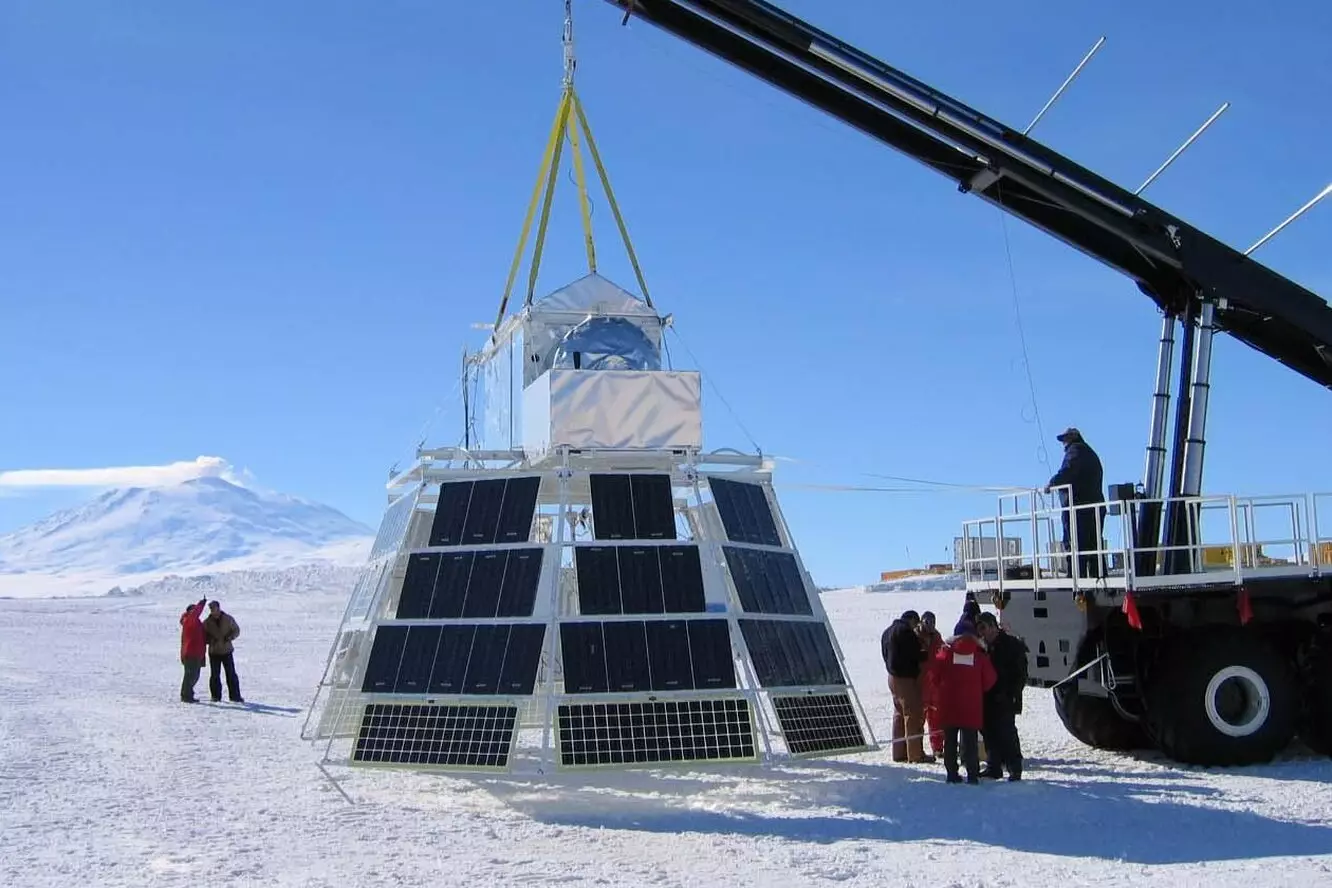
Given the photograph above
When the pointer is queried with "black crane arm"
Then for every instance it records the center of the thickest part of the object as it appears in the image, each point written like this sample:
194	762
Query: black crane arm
1171	261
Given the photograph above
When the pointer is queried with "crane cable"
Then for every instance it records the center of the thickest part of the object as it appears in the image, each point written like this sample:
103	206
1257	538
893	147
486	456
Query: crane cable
1042	455
570	118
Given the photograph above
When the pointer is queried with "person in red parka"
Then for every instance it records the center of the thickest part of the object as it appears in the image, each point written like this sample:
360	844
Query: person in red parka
193	648
931	641
963	673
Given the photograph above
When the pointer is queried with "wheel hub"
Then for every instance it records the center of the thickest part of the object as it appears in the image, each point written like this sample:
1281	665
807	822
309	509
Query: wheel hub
1237	701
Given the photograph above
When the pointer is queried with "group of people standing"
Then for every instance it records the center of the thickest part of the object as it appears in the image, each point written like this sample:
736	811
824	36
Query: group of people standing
954	691
216	636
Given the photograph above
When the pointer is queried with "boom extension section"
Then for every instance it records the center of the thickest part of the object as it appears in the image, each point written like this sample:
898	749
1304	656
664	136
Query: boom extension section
1171	261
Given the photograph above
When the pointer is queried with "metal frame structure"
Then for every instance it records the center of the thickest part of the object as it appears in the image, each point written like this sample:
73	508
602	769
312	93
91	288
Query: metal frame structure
339	706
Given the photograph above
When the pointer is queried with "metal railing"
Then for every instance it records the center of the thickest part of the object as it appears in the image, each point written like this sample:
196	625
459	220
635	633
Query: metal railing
1033	539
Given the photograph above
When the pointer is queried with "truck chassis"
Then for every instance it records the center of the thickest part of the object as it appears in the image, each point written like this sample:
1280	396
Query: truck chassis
1223	664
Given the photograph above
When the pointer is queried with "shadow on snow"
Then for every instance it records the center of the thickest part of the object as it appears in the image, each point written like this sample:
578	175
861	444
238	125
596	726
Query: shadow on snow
1139	818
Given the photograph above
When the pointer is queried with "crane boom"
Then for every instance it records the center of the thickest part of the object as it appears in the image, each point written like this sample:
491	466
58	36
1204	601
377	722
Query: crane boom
1171	261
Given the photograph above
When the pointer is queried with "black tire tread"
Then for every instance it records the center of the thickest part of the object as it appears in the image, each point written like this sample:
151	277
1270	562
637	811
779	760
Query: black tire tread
1095	722
1316	729
1175	713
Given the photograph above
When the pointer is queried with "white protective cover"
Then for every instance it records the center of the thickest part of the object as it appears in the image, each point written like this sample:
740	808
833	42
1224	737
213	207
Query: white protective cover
613	410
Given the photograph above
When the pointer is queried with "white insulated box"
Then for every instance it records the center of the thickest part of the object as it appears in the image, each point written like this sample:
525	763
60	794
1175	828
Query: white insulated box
613	410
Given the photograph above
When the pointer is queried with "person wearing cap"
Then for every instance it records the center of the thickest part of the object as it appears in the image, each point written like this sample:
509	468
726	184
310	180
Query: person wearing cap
964	675
903	656
1003	701
1081	471
193	644
222	630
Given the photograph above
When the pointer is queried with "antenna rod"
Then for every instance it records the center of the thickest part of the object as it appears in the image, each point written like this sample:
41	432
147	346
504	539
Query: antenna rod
1064	86
1293	216
1180	150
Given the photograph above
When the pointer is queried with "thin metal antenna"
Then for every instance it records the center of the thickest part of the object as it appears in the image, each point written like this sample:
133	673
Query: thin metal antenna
1064	86
1180	150
1293	216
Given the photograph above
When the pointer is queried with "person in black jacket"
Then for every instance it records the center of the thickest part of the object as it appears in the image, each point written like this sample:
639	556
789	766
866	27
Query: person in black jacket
903	655
1003	702
1081	470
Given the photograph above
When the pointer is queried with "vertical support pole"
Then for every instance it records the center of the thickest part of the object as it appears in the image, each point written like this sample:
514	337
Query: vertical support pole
1174	528
1191	480
1191	484
1148	531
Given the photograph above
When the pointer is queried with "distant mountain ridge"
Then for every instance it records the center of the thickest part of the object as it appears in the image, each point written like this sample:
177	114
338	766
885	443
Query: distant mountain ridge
133	535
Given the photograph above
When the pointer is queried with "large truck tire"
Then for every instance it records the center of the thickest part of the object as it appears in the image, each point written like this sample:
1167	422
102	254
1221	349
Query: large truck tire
1222	696
1316	730
1096	722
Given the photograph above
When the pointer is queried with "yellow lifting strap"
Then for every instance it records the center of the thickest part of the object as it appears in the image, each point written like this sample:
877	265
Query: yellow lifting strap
569	120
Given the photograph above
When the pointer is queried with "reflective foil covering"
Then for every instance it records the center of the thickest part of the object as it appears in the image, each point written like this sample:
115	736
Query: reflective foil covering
607	327
606	344
585	309
613	410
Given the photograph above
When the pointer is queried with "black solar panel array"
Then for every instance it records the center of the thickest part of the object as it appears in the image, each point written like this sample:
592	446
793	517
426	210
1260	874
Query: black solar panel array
454	736
791	653
454	654
632	506
767	582
457	658
818	723
484	512
646	655
471	585
665	579
744	511
595	734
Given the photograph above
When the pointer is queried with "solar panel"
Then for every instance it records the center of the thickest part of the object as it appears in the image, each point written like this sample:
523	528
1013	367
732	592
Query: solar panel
626	648
767	582
583	652
491	583
597	734
787	653
818	723
489	659
635	506
455	736
517	509
657	655
744	511
483	511
639	580
449	673
681	579
418	658
455	571
654	507
418	586
491	510
522	573
450	513
381	669
612	507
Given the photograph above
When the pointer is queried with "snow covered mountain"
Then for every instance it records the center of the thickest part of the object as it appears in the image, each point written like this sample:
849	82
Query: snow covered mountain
205	525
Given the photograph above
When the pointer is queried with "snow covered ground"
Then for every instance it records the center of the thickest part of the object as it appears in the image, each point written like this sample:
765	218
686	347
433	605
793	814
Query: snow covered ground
106	780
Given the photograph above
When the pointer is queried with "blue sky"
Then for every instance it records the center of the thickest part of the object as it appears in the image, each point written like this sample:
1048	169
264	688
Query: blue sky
261	231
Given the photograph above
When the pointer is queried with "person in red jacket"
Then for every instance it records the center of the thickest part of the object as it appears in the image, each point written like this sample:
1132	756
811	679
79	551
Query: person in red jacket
193	647
931	641
963	674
